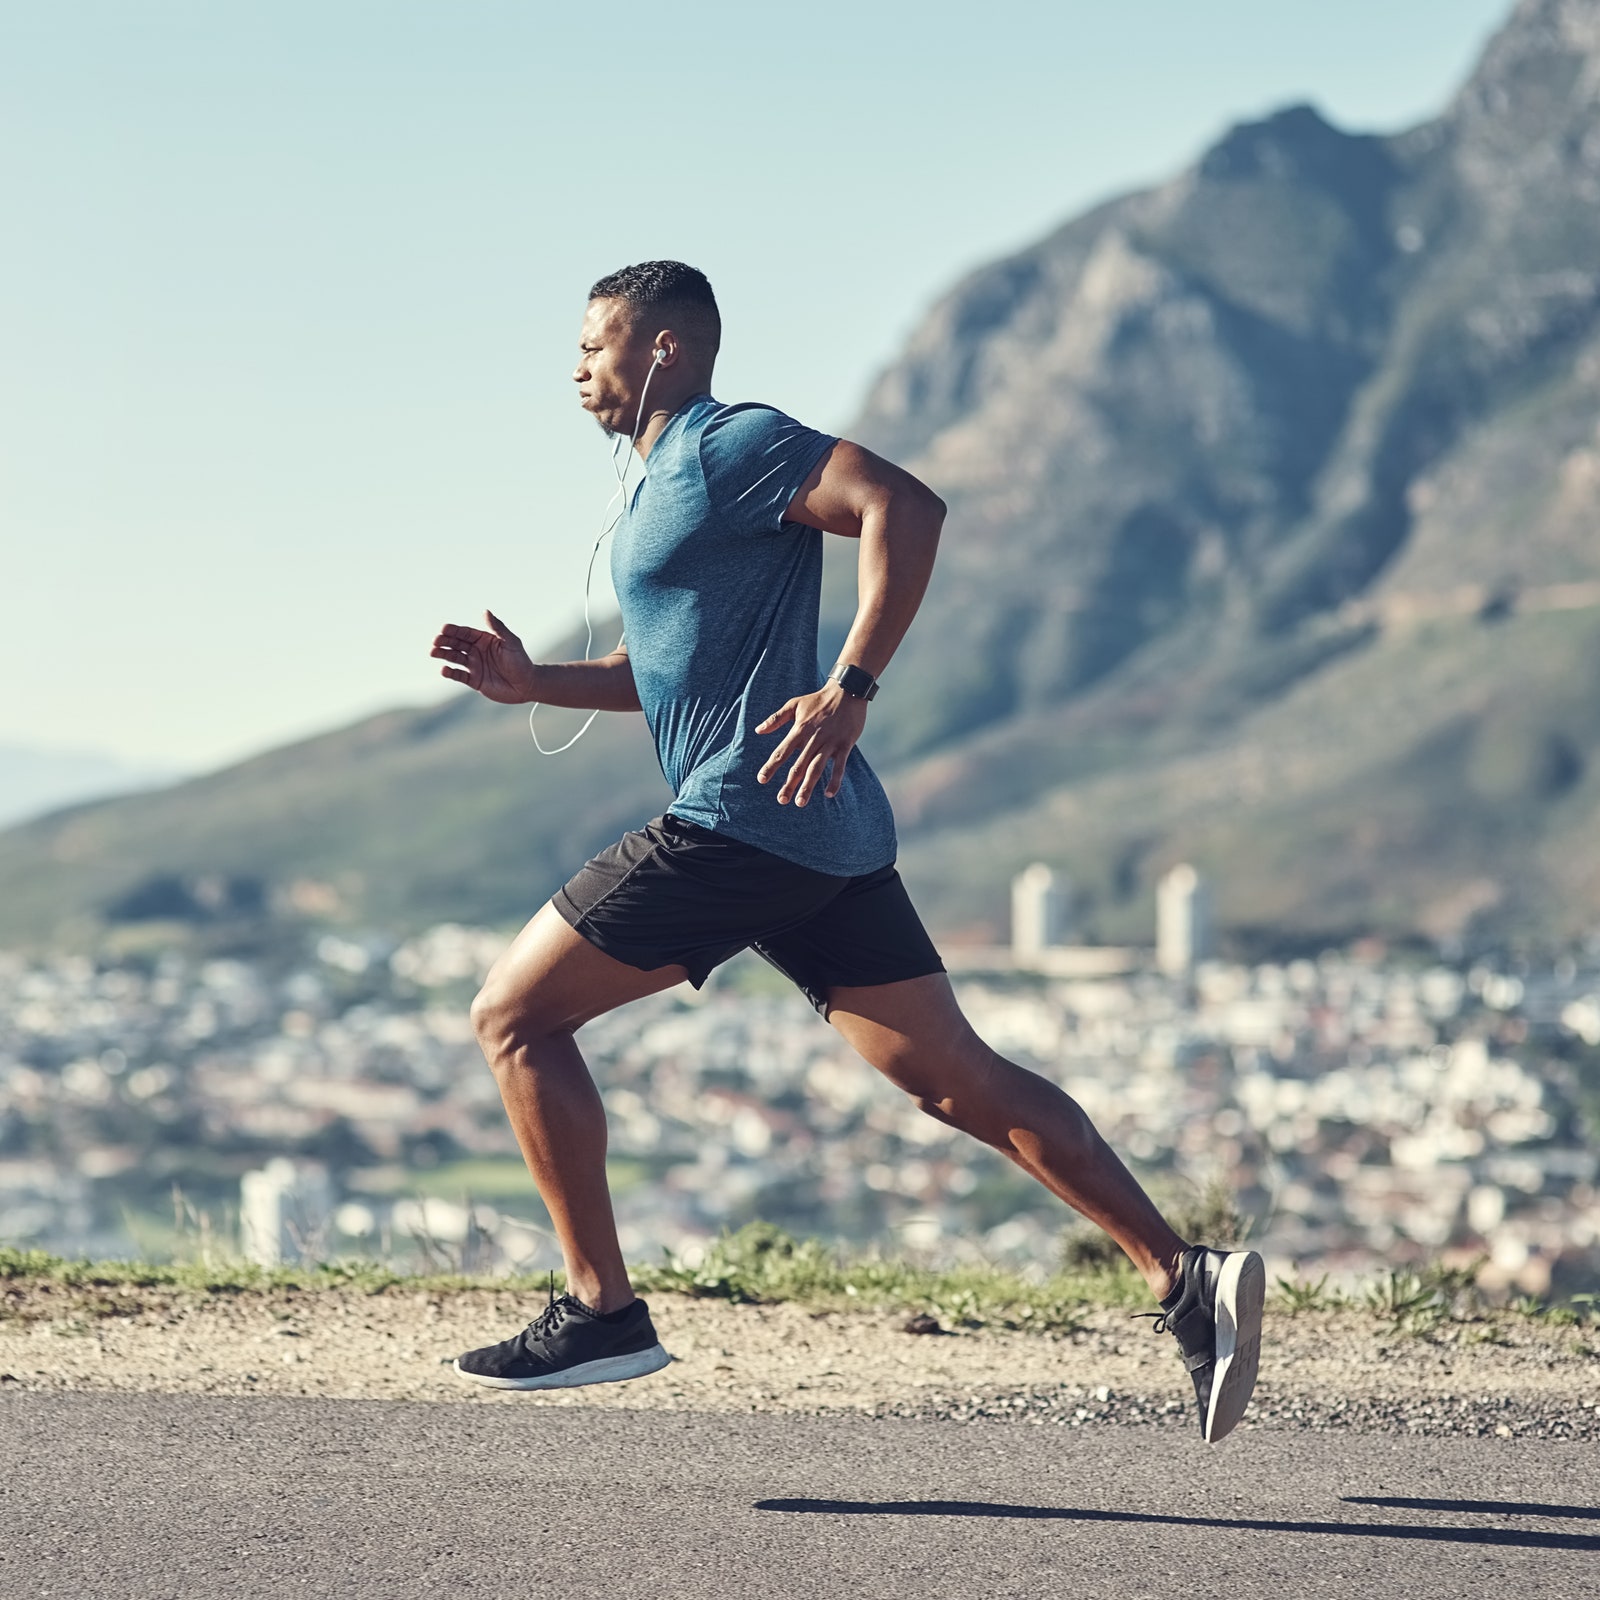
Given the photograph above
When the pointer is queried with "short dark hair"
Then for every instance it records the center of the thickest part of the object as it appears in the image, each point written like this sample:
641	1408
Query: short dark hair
671	288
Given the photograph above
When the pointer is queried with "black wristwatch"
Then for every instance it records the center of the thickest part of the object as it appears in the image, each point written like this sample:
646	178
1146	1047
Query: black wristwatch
856	682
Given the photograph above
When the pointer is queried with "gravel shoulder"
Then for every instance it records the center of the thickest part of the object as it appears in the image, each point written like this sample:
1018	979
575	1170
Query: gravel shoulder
1327	1369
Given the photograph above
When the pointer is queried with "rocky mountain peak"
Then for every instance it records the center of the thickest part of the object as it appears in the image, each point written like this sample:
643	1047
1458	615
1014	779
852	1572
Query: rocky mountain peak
1531	110
1296	143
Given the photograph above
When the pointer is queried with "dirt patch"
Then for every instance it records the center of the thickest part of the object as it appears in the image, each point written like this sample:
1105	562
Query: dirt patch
1318	1370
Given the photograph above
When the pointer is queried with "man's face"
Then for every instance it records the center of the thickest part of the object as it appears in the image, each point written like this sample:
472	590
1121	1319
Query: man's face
613	361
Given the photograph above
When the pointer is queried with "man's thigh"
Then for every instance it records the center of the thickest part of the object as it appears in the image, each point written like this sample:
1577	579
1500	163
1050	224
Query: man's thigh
553	978
913	1031
866	937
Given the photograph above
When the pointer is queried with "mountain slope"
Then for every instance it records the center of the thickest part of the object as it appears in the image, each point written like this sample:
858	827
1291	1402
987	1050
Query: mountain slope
1273	544
1174	540
406	818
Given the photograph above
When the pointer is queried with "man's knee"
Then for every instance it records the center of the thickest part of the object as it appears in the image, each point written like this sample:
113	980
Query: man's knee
988	1097
955	1090
506	1019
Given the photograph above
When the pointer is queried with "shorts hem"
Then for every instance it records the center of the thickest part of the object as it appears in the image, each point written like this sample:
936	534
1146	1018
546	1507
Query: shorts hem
817	993
699	970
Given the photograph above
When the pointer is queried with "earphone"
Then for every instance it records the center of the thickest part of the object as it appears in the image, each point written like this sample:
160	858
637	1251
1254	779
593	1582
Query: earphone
619	494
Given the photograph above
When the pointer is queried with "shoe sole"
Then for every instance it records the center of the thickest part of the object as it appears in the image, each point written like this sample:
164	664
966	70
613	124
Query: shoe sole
1241	1292
609	1369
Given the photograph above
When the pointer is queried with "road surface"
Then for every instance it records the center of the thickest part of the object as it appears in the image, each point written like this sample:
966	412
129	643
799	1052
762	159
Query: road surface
147	1495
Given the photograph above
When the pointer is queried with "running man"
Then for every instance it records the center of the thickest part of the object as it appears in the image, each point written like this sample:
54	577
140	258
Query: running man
779	838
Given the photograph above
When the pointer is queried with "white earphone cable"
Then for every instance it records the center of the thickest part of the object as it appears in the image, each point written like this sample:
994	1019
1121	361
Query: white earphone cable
620	493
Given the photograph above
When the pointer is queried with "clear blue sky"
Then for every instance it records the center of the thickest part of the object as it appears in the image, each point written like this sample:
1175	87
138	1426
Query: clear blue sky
290	290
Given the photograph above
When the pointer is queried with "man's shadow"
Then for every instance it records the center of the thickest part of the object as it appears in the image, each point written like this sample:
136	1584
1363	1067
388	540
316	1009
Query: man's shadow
1525	1538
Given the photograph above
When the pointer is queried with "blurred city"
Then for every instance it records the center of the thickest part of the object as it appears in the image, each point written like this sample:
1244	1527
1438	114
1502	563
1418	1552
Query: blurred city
1364	1111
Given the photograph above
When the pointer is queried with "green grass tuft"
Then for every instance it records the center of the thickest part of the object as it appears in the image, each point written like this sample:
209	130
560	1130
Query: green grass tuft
216	1276
760	1263
1301	1294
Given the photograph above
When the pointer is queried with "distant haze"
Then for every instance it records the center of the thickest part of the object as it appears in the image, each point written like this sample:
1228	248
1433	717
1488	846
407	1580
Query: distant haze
34	780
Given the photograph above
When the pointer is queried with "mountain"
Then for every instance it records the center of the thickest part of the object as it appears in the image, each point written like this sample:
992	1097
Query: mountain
1273	535
407	818
1273	544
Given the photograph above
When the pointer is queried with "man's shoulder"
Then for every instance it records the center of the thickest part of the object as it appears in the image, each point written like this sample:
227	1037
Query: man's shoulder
738	420
752	458
748	430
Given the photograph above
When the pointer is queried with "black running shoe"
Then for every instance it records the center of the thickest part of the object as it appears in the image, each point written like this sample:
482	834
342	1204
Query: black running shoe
1215	1315
568	1345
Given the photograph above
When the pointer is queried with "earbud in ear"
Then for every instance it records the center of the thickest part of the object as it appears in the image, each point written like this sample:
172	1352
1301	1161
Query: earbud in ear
661	355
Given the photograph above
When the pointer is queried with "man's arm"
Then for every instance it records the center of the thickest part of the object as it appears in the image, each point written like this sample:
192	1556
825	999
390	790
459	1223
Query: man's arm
495	663
897	518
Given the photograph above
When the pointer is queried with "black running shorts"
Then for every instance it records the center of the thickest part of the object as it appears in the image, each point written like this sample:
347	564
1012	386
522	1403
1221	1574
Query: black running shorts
676	894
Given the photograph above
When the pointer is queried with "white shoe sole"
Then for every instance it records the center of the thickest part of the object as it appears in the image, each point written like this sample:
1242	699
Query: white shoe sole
611	1369
1241	1291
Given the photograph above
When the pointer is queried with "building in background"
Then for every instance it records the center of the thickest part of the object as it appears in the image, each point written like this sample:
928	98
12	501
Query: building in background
1183	922
284	1213
1041	904
1041	921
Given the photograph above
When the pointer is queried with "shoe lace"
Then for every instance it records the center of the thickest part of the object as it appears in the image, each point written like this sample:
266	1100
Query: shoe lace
551	1318
1158	1318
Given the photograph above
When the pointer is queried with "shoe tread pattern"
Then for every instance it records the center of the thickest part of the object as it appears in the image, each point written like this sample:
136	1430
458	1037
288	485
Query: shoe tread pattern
1241	1293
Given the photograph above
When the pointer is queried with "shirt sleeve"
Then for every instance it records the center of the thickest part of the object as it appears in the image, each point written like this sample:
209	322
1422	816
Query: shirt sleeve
754	460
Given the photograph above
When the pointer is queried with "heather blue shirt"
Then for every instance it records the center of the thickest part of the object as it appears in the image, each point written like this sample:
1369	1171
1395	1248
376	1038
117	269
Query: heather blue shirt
719	603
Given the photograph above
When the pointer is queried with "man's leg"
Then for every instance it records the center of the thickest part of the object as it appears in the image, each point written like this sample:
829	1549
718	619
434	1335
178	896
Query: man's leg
915	1034
537	995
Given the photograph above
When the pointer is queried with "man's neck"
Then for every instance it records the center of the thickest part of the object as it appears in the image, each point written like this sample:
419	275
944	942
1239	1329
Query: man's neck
662	411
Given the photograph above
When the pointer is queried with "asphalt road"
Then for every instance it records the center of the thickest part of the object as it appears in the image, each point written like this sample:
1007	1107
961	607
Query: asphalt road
149	1495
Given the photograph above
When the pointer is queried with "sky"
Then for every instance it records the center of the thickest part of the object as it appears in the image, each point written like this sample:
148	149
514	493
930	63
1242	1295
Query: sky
290	294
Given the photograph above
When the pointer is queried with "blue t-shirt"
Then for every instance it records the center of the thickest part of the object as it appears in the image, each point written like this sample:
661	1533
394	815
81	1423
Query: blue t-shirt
719	601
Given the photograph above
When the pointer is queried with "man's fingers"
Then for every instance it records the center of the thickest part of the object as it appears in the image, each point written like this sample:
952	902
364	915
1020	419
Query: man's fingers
784	713
457	674
797	772
792	782
794	741
813	776
822	733
784	750
499	629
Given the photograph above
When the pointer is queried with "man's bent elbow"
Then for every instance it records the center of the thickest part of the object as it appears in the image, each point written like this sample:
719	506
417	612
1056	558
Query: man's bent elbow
931	510
912	501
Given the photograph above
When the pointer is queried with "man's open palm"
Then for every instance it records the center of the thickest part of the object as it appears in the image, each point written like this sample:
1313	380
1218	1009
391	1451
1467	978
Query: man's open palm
493	663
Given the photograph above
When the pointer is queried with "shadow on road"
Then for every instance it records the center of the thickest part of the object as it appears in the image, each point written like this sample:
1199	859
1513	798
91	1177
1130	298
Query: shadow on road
1486	1508
1515	1537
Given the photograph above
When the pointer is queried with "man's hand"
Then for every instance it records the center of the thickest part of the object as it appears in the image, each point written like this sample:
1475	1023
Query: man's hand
493	663
827	725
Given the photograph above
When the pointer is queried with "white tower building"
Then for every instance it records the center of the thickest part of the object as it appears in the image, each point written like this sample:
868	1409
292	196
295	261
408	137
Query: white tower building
1041	899
1183	921
283	1212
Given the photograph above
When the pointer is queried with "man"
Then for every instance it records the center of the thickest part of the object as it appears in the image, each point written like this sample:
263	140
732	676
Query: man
779	837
